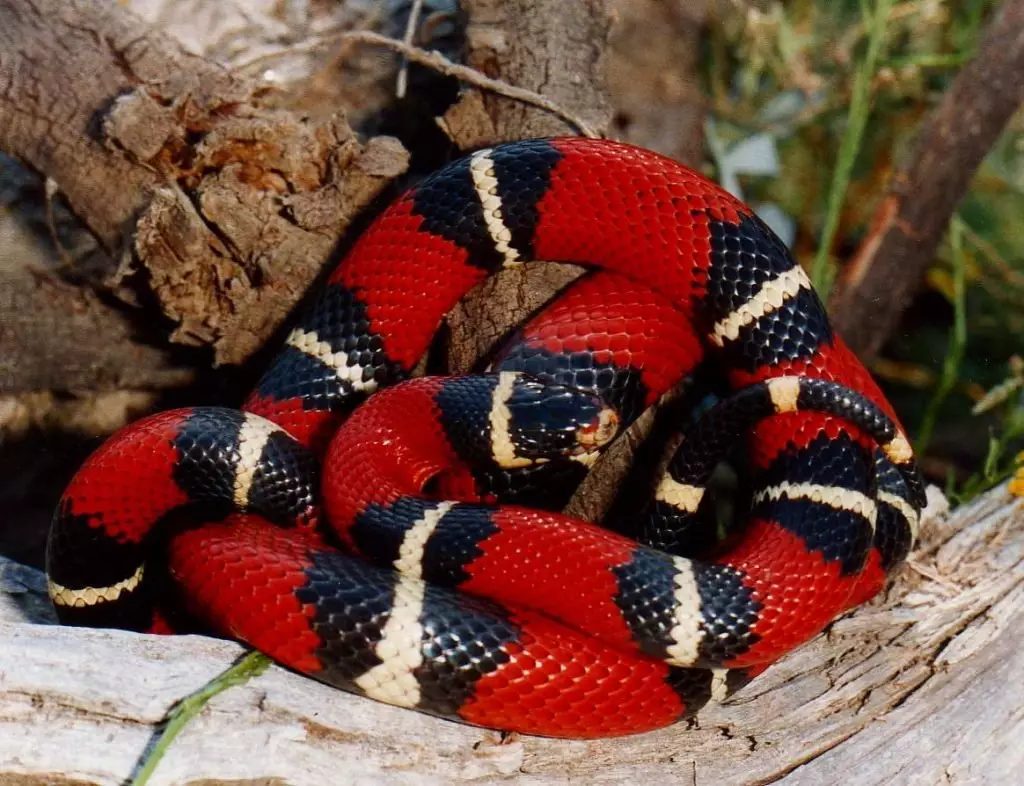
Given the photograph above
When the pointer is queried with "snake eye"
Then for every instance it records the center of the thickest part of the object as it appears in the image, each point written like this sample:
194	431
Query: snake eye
599	432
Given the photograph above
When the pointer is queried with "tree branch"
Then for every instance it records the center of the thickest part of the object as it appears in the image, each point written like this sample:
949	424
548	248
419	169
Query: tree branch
549	47
442	65
883	278
212	203
653	74
54	117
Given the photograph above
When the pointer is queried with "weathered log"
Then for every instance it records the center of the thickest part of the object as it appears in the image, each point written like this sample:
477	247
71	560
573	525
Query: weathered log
217	209
923	686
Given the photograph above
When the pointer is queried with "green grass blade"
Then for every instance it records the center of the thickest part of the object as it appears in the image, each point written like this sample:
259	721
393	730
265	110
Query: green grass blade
252	665
957	339
857	119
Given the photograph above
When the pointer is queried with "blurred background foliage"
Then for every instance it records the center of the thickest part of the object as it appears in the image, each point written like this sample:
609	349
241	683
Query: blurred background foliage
782	81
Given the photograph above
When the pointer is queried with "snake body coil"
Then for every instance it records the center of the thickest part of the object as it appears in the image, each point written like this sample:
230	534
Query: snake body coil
387	548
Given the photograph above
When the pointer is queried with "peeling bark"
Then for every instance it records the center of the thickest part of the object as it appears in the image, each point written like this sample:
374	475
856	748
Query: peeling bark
209	201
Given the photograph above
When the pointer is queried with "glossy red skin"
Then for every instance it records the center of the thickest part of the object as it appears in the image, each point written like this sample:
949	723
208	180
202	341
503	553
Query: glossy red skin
796	430
623	324
557	682
394	446
671	254
537	559
106	487
247	557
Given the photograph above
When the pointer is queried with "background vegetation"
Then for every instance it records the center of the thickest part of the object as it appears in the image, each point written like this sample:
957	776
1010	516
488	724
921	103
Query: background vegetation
852	82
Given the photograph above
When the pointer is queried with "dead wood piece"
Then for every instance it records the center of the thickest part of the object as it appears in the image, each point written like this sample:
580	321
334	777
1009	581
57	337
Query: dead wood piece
546	46
50	111
231	257
227	207
23	596
911	221
56	336
653	77
247	215
922	686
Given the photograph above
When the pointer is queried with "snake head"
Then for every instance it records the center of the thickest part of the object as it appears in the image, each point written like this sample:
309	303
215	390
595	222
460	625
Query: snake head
548	421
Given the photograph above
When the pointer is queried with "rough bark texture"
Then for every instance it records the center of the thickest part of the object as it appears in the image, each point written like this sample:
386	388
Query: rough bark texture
45	48
57	336
655	48
923	686
554	48
208	200
910	223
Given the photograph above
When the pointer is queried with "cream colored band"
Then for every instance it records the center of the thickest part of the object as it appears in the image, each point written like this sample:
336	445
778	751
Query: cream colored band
92	596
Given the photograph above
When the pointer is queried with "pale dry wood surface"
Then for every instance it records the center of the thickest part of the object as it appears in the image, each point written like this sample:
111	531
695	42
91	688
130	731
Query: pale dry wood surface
923	686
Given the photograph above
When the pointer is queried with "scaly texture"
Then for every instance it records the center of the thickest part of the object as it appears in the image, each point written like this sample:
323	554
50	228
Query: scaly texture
401	570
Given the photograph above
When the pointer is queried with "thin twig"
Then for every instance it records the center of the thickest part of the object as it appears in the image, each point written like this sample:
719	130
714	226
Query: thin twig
410	31
470	76
300	47
441	64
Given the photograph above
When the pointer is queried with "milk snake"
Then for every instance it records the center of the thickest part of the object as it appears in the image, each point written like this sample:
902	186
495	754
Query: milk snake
416	582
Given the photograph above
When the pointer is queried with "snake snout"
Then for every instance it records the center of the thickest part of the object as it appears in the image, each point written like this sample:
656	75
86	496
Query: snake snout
551	421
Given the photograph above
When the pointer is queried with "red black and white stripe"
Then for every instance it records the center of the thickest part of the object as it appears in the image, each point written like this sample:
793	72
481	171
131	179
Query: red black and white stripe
418	583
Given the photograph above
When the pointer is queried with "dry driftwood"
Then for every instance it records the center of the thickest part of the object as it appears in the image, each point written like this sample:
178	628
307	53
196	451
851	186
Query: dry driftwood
923	686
